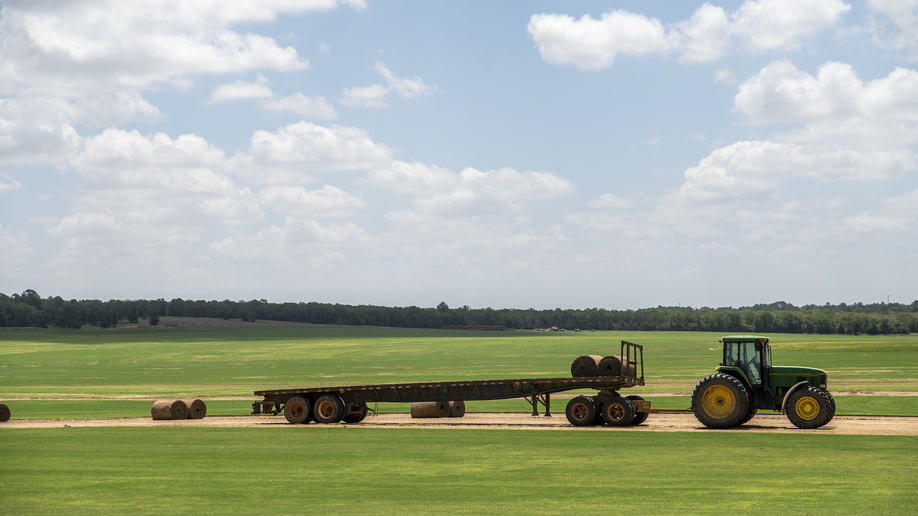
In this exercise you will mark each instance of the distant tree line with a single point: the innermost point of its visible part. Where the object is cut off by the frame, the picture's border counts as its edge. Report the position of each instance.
(29, 309)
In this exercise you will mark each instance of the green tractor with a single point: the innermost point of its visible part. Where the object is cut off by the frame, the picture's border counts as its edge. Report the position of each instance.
(746, 382)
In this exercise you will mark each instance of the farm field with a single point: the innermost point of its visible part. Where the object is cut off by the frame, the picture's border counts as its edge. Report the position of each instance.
(63, 409)
(330, 470)
(334, 470)
(179, 362)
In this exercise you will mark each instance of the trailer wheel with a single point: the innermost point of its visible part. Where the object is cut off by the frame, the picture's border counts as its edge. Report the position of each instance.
(618, 411)
(809, 408)
(581, 411)
(356, 418)
(297, 410)
(639, 417)
(720, 401)
(329, 409)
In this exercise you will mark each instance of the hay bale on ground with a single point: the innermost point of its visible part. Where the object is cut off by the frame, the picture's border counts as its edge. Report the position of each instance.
(456, 408)
(169, 409)
(4, 413)
(612, 366)
(586, 366)
(197, 409)
(429, 409)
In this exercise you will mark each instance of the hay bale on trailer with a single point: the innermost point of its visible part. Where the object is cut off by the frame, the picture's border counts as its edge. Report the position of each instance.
(456, 408)
(430, 409)
(586, 366)
(169, 409)
(197, 409)
(612, 366)
(4, 413)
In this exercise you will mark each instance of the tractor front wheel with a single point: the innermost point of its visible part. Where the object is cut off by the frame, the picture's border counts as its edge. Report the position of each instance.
(810, 408)
(720, 401)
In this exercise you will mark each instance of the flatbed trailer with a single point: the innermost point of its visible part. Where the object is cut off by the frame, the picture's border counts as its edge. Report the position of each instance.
(350, 403)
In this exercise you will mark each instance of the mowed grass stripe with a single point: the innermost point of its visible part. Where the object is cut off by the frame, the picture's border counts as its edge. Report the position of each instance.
(322, 470)
(67, 409)
(199, 362)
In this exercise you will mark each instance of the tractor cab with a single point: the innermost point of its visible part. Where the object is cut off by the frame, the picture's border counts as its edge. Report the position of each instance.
(748, 357)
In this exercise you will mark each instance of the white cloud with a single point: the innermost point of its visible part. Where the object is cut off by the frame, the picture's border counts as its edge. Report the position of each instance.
(705, 36)
(329, 201)
(294, 152)
(781, 24)
(416, 178)
(869, 222)
(260, 89)
(298, 103)
(762, 25)
(903, 14)
(608, 200)
(14, 251)
(590, 44)
(374, 96)
(780, 93)
(366, 96)
(851, 130)
(8, 184)
(314, 107)
(473, 193)
(73, 63)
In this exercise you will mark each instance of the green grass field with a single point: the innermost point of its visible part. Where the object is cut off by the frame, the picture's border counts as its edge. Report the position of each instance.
(338, 470)
(235, 362)
(66, 409)
(332, 470)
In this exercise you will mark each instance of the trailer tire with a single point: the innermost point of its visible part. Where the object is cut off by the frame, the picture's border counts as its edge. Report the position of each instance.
(356, 418)
(618, 411)
(639, 417)
(298, 410)
(809, 408)
(329, 409)
(581, 411)
(720, 401)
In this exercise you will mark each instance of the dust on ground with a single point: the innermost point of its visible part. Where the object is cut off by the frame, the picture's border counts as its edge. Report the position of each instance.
(840, 425)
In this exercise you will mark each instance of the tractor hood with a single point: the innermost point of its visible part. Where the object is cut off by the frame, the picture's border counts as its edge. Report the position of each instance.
(796, 370)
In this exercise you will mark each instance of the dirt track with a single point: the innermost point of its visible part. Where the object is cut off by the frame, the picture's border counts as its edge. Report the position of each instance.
(841, 425)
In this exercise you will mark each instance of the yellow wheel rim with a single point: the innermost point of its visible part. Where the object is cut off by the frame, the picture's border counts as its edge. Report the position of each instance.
(807, 407)
(718, 401)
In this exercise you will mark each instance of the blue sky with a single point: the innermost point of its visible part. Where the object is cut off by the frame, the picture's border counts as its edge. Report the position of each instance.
(527, 154)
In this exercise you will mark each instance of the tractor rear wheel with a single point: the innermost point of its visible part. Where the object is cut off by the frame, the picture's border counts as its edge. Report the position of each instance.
(297, 410)
(809, 408)
(618, 411)
(750, 414)
(720, 401)
(329, 409)
(639, 417)
(581, 411)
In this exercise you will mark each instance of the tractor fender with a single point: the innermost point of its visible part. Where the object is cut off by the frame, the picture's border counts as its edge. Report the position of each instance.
(788, 393)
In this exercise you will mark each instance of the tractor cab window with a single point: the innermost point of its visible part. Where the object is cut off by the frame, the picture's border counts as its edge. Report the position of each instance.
(744, 356)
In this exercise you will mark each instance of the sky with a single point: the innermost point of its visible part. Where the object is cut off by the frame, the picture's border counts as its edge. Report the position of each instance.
(619, 155)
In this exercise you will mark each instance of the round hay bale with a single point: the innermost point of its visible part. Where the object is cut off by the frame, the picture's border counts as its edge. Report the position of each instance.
(197, 409)
(586, 366)
(4, 413)
(428, 409)
(456, 408)
(169, 409)
(612, 366)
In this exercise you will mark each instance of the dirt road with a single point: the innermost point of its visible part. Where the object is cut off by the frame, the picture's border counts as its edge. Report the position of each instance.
(841, 425)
